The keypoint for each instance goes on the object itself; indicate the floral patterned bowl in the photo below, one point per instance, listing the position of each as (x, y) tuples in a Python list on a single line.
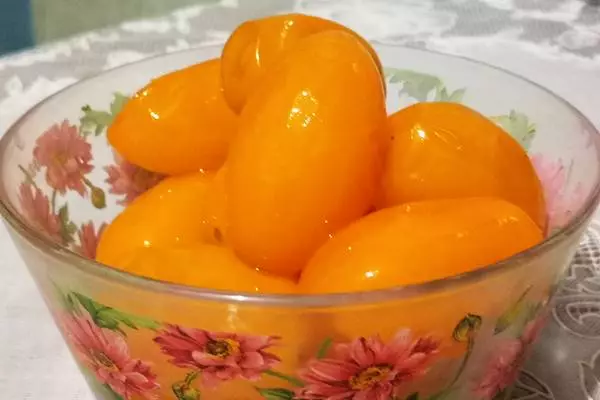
[(462, 338)]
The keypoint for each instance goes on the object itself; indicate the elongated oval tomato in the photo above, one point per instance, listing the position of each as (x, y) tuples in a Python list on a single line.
[(203, 266), (177, 124), (170, 214), (446, 150), (256, 45), (419, 242), (306, 160)]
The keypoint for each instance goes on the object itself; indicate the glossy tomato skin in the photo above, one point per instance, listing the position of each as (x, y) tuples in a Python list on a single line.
[(179, 123), (419, 242), (446, 150), (204, 266), (257, 45), (307, 158), (168, 215), (215, 210)]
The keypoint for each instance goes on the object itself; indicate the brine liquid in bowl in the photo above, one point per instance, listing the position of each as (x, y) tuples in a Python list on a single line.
[(134, 338)]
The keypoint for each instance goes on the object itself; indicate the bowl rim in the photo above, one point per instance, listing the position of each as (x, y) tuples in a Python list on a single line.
[(105, 272)]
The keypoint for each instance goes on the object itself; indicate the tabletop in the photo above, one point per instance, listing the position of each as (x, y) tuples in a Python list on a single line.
[(555, 43)]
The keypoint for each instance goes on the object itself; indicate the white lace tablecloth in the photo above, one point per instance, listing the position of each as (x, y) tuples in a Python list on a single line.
[(555, 43)]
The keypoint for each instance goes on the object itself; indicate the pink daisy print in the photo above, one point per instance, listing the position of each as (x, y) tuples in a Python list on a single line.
[(66, 156), (566, 208), (106, 353), (37, 211), (219, 356), (368, 368), (560, 204), (502, 369), (88, 239), (504, 365), (129, 180), (553, 176)]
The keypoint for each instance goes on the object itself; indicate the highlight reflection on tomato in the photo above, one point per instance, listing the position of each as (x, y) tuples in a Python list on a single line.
[(446, 150), (300, 168), (419, 242)]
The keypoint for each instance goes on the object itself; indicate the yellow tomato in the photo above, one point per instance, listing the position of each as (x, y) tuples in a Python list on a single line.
[(419, 242), (203, 266), (177, 124), (170, 214), (257, 45), (306, 160), (446, 150)]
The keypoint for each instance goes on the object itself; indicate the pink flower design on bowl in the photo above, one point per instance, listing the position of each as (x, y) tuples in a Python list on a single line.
[(89, 239), (36, 209), (129, 180), (66, 156), (220, 356), (560, 203), (368, 368), (106, 353), (504, 364)]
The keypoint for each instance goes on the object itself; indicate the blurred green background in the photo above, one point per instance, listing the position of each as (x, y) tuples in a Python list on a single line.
[(24, 23)]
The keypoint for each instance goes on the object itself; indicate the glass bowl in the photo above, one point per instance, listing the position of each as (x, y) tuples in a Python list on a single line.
[(460, 338)]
